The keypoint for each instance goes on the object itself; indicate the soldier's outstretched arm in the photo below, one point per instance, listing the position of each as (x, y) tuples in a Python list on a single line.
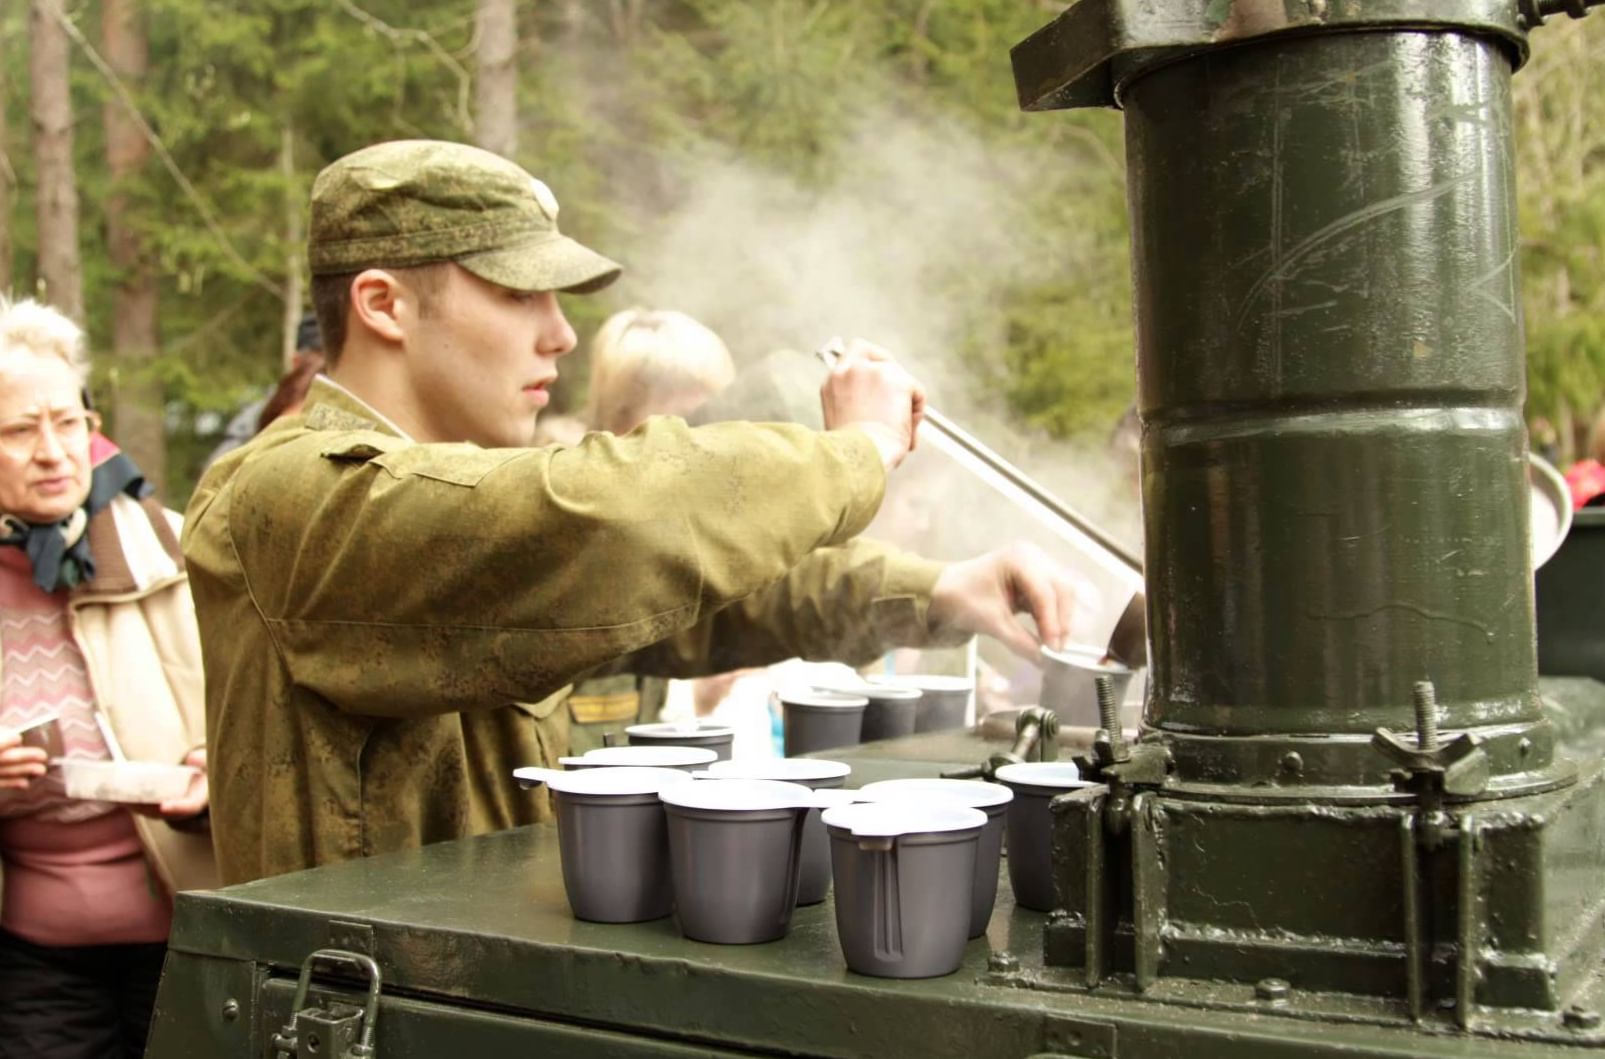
[(405, 579)]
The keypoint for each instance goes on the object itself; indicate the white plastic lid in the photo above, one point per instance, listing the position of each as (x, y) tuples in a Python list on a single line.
[(813, 698), (975, 794), (624, 780), (923, 681), (1091, 659), (672, 730), (1062, 774), (651, 756), (893, 818), (737, 795), (791, 769), (883, 692)]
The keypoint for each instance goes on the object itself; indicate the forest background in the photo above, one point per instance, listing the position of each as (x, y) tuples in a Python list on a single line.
[(783, 169)]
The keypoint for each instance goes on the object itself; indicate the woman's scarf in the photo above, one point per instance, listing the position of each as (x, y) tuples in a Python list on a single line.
[(59, 551)]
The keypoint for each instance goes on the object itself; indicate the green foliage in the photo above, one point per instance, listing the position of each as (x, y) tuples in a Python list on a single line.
[(619, 97)]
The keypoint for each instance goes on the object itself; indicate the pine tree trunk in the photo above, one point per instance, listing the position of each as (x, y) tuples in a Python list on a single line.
[(496, 77), (56, 202), (137, 395), (293, 238), (8, 175)]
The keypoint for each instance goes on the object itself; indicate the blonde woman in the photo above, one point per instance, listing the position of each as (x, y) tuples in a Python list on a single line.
[(644, 362), (96, 630), (647, 362)]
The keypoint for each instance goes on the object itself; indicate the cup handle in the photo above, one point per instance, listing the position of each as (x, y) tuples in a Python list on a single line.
[(613, 738), (799, 818), (531, 776)]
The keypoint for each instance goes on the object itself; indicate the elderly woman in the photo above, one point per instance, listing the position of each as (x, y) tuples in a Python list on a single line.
[(96, 630)]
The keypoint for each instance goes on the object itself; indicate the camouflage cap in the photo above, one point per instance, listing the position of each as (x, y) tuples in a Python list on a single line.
[(418, 202)]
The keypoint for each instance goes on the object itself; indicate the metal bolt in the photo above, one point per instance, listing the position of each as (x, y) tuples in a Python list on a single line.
[(1426, 703), (231, 1010), (1109, 715), (1274, 990), (1580, 1018), (1003, 962), (1292, 763), (1524, 747)]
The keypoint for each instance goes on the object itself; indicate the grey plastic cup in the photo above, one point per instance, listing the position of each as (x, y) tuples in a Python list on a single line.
[(813, 876), (944, 700), (735, 849), (613, 839), (685, 758), (904, 875), (891, 711), (820, 720), (1030, 826), (715, 737), (990, 798)]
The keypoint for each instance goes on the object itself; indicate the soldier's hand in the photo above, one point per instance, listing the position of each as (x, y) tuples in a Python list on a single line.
[(19, 765), (982, 595), (867, 389)]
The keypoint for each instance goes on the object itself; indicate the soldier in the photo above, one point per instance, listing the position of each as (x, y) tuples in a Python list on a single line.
[(394, 589)]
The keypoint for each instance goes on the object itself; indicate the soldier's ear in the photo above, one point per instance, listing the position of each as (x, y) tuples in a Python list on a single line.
[(380, 305)]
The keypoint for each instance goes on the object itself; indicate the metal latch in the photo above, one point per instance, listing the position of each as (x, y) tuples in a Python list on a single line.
[(332, 1029)]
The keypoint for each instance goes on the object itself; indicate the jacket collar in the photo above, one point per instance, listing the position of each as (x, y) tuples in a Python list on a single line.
[(331, 406)]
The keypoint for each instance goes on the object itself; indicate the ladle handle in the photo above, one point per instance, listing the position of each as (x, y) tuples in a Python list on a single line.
[(832, 350)]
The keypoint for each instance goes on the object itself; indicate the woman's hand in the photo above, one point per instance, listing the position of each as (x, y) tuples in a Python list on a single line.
[(19, 765), (194, 801)]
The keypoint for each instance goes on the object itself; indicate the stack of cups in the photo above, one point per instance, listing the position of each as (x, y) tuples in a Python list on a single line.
[(990, 798), (816, 774), (905, 876), (736, 847), (820, 720), (715, 737), (1030, 826), (613, 839)]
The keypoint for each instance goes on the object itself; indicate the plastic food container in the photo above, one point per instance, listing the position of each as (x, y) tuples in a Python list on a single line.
[(128, 782), (736, 850), (1030, 826), (820, 720), (665, 757), (816, 774), (944, 700), (991, 798), (613, 839), (904, 880), (715, 737)]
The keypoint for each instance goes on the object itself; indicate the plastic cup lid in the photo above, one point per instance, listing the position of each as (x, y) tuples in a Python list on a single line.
[(923, 681), (821, 699), (892, 818), (1063, 774), (737, 795), (975, 794), (792, 769), (672, 730), (1092, 659), (881, 692), (623, 780), (659, 756)]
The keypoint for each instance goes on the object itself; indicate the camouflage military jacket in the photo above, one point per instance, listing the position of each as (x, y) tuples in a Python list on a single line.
[(369, 607)]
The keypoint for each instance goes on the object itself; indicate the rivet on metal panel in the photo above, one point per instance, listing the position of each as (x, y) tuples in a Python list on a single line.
[(1272, 990), (231, 1009), (1078, 1037), (1003, 962)]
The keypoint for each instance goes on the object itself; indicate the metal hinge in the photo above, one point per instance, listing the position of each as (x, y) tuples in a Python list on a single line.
[(331, 1029)]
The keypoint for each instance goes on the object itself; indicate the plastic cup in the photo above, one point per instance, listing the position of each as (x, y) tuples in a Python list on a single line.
[(1030, 826), (904, 878), (821, 720), (813, 882)]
